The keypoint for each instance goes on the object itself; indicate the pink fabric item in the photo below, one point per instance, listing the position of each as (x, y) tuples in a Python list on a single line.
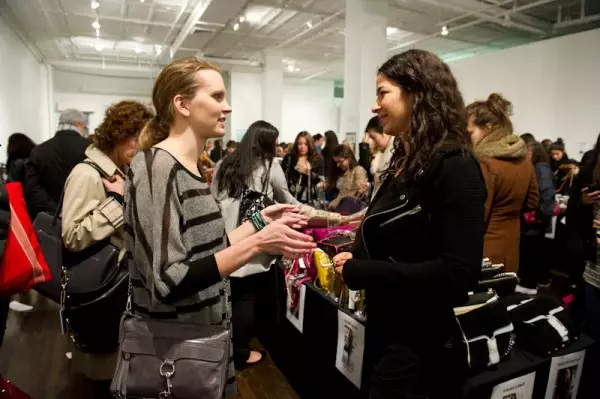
[(323, 233)]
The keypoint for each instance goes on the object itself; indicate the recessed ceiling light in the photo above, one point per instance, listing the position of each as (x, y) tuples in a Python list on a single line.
[(137, 49), (96, 25), (95, 5), (141, 1), (291, 68), (236, 26), (309, 24), (444, 30)]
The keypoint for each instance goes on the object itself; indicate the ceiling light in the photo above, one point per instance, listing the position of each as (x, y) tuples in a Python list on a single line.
[(137, 49), (96, 25), (97, 32), (141, 1), (444, 30), (236, 26), (291, 68), (95, 5), (309, 24), (242, 18), (99, 47), (158, 49), (391, 30)]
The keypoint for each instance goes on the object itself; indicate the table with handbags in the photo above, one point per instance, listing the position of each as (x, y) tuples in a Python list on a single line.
[(310, 345)]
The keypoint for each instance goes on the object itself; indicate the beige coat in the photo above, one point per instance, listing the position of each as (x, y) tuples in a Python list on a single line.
[(351, 182), (89, 216)]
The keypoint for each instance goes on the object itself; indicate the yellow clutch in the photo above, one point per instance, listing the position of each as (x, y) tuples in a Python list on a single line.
[(325, 274)]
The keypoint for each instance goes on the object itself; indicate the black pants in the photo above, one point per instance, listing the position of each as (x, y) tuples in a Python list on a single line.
[(4, 302), (245, 294), (533, 262)]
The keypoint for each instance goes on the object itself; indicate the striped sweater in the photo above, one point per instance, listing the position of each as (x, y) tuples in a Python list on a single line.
[(173, 229)]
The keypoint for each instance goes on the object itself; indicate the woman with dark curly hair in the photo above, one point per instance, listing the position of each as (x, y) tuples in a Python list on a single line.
[(419, 249), (93, 212), (18, 150)]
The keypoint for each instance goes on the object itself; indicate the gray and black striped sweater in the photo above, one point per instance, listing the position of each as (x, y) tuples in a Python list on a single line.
[(173, 229)]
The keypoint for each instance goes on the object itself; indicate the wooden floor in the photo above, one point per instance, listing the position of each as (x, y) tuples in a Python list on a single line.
[(33, 358)]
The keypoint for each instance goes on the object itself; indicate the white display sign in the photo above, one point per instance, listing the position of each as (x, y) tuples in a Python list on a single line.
[(517, 388), (295, 314), (565, 373), (350, 348)]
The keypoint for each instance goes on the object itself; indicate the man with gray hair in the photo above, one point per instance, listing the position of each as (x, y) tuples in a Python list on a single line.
[(50, 163)]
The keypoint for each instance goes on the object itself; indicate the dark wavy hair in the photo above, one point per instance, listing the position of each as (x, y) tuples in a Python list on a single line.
[(122, 121), (438, 112), (538, 153), (313, 154), (257, 145), (331, 140)]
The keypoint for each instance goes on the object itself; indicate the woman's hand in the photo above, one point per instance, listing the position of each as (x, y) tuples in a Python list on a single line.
[(596, 224), (279, 239), (275, 212), (116, 184), (589, 198), (339, 261), (331, 206)]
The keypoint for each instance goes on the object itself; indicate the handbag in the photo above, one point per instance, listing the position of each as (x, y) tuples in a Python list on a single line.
[(503, 283), (253, 201), (349, 206), (23, 263), (488, 333), (91, 283), (170, 359)]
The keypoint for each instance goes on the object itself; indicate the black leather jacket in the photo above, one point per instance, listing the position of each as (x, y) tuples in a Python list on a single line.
[(418, 253), (4, 217)]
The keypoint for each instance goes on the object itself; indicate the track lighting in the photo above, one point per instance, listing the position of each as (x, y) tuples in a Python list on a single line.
[(236, 26), (444, 30)]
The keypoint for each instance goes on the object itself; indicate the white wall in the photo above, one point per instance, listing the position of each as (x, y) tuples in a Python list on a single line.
[(307, 105), (23, 91), (95, 103), (554, 86)]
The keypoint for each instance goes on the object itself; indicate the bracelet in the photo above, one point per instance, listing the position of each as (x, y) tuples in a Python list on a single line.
[(258, 221)]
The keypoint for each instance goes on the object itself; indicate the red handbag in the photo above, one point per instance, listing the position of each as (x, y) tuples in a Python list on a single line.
[(23, 263), (9, 391)]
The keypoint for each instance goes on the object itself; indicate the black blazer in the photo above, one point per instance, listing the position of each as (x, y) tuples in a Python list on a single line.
[(297, 182), (419, 251), (48, 167)]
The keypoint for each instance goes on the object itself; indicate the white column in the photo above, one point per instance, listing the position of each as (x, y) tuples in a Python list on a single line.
[(272, 89), (365, 52)]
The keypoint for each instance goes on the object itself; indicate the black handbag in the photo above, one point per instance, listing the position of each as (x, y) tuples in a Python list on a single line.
[(488, 333), (253, 201), (503, 283), (91, 283)]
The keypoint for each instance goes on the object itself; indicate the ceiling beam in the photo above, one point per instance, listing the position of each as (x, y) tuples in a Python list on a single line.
[(188, 26), (115, 19), (311, 29), (307, 10)]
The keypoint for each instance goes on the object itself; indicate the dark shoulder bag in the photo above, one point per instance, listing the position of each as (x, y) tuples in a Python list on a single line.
[(86, 284), (253, 201), (170, 358)]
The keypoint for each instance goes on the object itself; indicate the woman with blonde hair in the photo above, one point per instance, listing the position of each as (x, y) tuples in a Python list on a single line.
[(182, 255), (510, 179)]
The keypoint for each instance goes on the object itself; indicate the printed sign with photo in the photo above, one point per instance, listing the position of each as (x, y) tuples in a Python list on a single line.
[(565, 373), (350, 348), (294, 311), (517, 388)]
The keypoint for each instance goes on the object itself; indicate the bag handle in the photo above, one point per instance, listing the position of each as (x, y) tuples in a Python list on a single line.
[(266, 178)]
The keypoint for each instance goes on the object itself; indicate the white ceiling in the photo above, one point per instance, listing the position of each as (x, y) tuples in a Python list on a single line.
[(138, 36)]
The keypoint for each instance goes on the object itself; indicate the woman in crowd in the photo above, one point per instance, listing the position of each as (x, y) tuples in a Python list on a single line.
[(218, 152), (564, 169), (182, 254), (423, 233), (253, 167), (93, 210), (303, 168), (384, 145), (534, 262), (331, 143), (349, 180), (17, 151), (509, 176)]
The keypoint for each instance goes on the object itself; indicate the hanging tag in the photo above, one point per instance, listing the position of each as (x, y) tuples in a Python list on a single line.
[(61, 316), (301, 263)]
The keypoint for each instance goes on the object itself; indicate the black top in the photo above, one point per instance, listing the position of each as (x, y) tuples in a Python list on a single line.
[(4, 217), (419, 251), (581, 241), (48, 167), (298, 183)]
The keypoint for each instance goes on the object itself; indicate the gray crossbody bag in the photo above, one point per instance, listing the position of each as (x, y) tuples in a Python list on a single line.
[(169, 359)]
